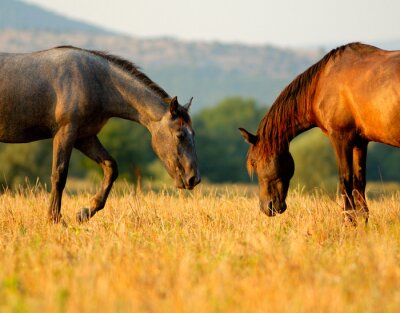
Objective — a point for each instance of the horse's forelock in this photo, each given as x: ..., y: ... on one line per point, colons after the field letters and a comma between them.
x: 181, y: 113
x: 250, y: 168
x: 183, y: 116
x: 250, y: 162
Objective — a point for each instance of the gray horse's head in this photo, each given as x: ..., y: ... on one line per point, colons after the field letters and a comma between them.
x: 173, y: 142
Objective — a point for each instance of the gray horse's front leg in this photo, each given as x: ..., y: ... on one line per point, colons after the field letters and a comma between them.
x: 62, y: 147
x: 94, y: 150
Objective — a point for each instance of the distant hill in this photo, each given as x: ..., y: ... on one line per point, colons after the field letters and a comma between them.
x: 209, y: 71
x: 20, y: 15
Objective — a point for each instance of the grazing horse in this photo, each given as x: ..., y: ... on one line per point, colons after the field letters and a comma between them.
x: 353, y: 95
x: 68, y: 94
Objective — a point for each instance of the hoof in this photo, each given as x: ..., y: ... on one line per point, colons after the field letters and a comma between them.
x: 55, y: 219
x: 349, y: 221
x: 350, y: 217
x: 63, y: 223
x: 83, y: 215
x: 58, y: 221
x: 356, y: 217
x: 364, y: 214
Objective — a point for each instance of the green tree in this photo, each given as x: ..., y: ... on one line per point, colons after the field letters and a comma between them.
x: 220, y: 147
x: 315, y: 162
x: 383, y: 162
x: 20, y: 162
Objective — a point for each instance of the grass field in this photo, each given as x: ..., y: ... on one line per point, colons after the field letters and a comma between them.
x: 206, y: 251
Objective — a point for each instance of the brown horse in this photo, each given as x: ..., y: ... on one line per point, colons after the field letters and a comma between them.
x: 353, y: 95
x: 69, y: 93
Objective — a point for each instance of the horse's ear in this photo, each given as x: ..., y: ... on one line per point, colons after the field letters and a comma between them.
x: 248, y: 137
x: 173, y: 106
x: 187, y: 105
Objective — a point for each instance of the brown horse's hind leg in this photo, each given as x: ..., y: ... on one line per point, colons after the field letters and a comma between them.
x: 62, y: 147
x: 359, y: 180
x: 344, y: 154
x: 93, y: 149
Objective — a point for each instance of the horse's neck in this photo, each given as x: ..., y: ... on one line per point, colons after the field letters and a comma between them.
x: 136, y: 101
x: 300, y: 127
x: 294, y: 127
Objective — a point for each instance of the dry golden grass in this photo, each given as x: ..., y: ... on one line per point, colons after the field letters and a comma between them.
x: 207, y: 251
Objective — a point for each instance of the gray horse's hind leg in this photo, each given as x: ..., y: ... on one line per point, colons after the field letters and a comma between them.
x: 93, y: 149
x: 62, y: 147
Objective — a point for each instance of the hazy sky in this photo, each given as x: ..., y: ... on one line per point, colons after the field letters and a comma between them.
x: 281, y: 22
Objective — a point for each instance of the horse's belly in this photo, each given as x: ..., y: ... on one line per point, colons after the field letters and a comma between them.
x: 23, y: 134
x: 388, y: 136
x: 382, y: 125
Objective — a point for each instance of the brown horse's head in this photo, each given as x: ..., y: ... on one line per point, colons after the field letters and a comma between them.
x: 274, y: 173
x: 173, y: 142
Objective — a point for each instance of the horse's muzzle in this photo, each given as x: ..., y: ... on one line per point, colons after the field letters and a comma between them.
x: 192, y: 182
x: 188, y: 183
x: 269, y: 209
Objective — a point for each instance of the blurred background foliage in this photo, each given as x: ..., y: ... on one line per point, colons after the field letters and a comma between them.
x: 208, y: 70
x: 220, y: 147
x: 221, y: 152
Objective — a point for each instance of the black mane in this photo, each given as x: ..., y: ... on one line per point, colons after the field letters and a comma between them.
x: 127, y: 66
x: 293, y: 102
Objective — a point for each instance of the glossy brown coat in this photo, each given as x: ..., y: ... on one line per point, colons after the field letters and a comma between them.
x: 353, y: 95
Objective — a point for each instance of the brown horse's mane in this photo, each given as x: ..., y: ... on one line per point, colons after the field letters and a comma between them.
x: 127, y: 66
x: 293, y: 102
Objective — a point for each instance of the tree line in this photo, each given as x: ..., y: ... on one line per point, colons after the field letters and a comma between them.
x: 220, y: 148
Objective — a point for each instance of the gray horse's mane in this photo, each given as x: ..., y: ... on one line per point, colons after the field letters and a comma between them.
x: 127, y: 66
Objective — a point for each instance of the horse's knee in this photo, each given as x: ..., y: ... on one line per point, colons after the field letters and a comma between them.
x: 111, y: 168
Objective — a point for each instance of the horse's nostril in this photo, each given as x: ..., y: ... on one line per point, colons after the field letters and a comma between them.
x: 192, y: 181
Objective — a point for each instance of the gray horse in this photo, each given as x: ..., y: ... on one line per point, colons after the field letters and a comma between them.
x: 68, y: 94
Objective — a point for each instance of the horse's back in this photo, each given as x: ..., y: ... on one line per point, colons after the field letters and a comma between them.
x: 40, y: 90
x: 361, y: 92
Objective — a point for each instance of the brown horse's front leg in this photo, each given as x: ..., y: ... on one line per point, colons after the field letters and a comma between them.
x: 62, y: 148
x: 359, y: 180
x: 94, y: 150
x: 344, y: 155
